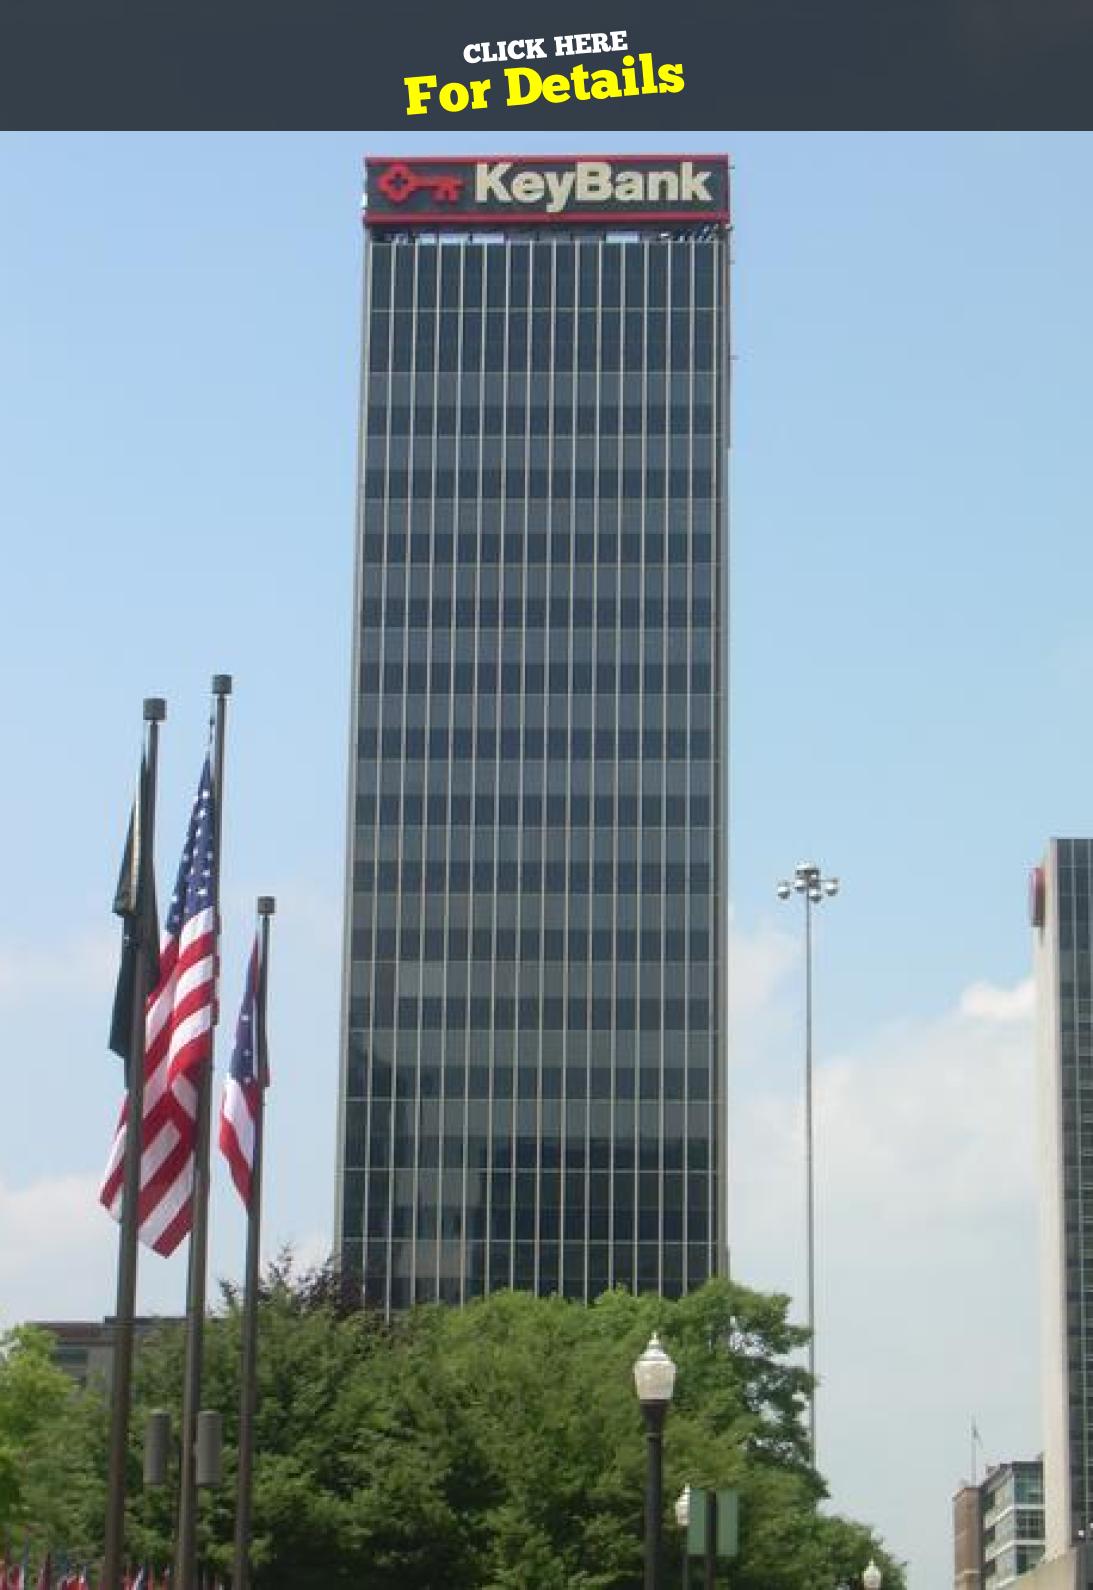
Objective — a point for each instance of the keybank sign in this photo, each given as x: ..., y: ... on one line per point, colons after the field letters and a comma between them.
x: 632, y: 189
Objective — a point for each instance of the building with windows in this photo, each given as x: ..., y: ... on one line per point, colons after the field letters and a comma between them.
x: 532, y: 1087
x: 1061, y: 902
x: 998, y: 1526
x: 84, y: 1349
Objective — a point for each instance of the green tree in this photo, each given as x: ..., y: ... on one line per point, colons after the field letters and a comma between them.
x: 494, y: 1447
x: 47, y: 1444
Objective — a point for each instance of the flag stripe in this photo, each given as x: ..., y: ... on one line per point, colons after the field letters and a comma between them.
x: 237, y: 1120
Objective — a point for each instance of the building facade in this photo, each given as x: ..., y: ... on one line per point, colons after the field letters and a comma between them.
x: 1062, y: 921
x: 967, y: 1539
x: 84, y: 1349
x: 998, y: 1526
x: 532, y: 1088
x: 1012, y: 1501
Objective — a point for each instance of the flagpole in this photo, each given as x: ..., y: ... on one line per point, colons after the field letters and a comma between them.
x: 248, y: 1397
x: 977, y: 1443
x: 155, y: 710
x: 186, y: 1543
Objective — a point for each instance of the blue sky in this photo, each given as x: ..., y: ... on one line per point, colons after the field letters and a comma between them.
x: 911, y: 655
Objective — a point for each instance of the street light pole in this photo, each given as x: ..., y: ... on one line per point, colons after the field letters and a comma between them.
x: 654, y: 1381
x: 813, y: 888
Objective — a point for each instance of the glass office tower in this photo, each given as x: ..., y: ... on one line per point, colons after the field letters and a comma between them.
x: 1062, y: 919
x: 533, y: 1065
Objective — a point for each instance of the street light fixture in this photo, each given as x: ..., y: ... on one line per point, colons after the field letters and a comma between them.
x: 813, y: 889
x: 683, y: 1519
x: 872, y: 1577
x: 683, y: 1507
x: 654, y: 1381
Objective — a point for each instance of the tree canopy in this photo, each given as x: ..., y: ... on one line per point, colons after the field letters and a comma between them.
x: 499, y: 1445
x: 48, y: 1444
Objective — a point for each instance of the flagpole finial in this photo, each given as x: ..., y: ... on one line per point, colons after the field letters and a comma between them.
x: 155, y: 709
x: 222, y: 684
x: 267, y: 905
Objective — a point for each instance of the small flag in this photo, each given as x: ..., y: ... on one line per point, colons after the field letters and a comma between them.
x: 180, y: 1017
x: 247, y: 1073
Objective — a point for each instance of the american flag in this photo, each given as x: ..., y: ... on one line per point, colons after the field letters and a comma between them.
x: 181, y: 1014
x: 246, y: 1074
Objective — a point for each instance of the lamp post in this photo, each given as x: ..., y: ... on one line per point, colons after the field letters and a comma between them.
x: 812, y: 888
x: 872, y: 1577
x: 654, y: 1381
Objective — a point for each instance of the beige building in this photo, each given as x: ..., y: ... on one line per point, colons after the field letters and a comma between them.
x: 85, y: 1348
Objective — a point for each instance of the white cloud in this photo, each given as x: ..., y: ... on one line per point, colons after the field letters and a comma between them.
x: 926, y: 1250
x: 760, y: 1018
x: 999, y: 1004
x: 758, y: 965
x: 58, y: 1251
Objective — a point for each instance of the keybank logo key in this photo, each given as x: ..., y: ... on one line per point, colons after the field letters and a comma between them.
x: 590, y: 182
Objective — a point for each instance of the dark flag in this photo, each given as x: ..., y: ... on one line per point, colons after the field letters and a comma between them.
x: 135, y: 903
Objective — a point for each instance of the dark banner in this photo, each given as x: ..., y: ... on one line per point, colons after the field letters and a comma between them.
x: 342, y: 64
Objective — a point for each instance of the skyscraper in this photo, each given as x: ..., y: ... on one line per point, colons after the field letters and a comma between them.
x: 533, y: 1045
x: 1061, y: 901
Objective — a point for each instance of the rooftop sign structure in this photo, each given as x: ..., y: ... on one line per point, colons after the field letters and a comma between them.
x: 623, y: 190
